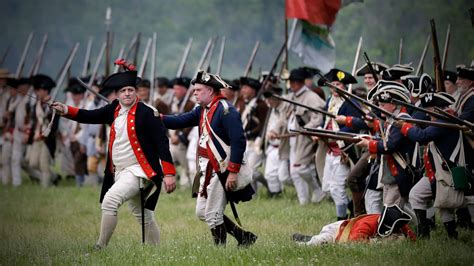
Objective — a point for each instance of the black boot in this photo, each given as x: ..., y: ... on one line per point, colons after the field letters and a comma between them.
x: 244, y: 238
x: 451, y: 229
x: 423, y: 224
x: 464, y: 218
x: 220, y: 235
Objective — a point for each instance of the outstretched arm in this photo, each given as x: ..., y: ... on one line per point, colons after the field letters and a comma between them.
x: 103, y: 115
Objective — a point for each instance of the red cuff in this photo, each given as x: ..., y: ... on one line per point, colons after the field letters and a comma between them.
x: 376, y: 123
x: 348, y: 121
x: 405, y: 128
x: 408, y: 232
x: 233, y: 167
x: 168, y: 168
x: 72, y: 111
x: 373, y: 146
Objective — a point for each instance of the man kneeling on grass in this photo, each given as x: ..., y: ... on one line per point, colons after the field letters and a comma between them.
x: 139, y: 158
x: 392, y: 221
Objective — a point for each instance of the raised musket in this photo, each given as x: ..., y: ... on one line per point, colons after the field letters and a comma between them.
x: 120, y: 56
x: 131, y: 45
x: 198, y: 68
x: 221, y: 57
x: 108, y: 21
x: 5, y: 54
x: 137, y: 48
x: 182, y: 64
x: 152, y: 70
x: 39, y: 57
x: 371, y: 69
x: 248, y: 67
x: 96, y: 65
x: 144, y: 58
x: 437, y: 60
x: 423, y: 55
x: 86, y: 65
x: 446, y: 48
x: 207, y: 63
x: 400, y: 51
x: 21, y: 64
x: 356, y: 61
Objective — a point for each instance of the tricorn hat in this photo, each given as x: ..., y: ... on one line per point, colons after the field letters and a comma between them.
x: 396, y: 72
x: 466, y: 73
x: 438, y: 99
x: 211, y: 80
x: 162, y: 81
x: 418, y: 85
x: 378, y: 67
x: 181, y: 81
x: 392, y: 219
x: 121, y: 79
x: 144, y: 83
x: 12, y: 83
x: 450, y: 75
x: 302, y: 73
x: 385, y: 91
x: 251, y: 82
x: 272, y: 90
x: 337, y: 75
x: 41, y: 81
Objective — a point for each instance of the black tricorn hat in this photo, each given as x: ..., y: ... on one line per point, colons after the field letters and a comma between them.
x: 144, y: 83
x: 121, y: 79
x: 392, y: 219
x: 234, y: 84
x: 272, y: 90
x: 162, y: 81
x: 396, y: 72
x: 418, y: 85
x: 438, y: 99
x: 301, y: 73
x: 337, y: 75
x: 466, y: 73
x: 75, y: 89
x: 384, y: 91
x: 378, y: 67
x: 251, y: 82
x: 23, y: 81
x: 450, y: 75
x: 43, y: 82
x: 12, y: 83
x: 181, y: 81
x: 211, y: 80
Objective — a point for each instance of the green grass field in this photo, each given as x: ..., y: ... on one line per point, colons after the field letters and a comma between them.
x: 59, y: 226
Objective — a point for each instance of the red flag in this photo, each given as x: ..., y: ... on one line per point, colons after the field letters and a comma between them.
x: 315, y: 11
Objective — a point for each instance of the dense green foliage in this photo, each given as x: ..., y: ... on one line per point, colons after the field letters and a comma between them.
x: 59, y: 225
x: 381, y: 23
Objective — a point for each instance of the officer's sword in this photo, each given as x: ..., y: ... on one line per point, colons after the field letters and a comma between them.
x: 100, y: 96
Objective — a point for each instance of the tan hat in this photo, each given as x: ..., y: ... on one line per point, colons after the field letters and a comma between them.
x: 4, y: 73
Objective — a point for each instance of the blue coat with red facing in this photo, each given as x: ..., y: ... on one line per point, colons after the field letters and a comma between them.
x: 147, y: 137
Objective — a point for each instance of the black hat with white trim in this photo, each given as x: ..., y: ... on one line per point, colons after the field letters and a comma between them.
x: 466, y: 73
x: 211, y: 80
x: 385, y: 91
x: 419, y: 85
x: 438, y: 99
x: 392, y: 219
x: 396, y: 72
x: 378, y: 67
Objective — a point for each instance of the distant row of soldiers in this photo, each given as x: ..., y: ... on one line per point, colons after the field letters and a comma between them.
x: 338, y: 141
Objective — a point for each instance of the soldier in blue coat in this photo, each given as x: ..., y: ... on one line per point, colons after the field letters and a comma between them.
x: 138, y: 155
x: 221, y: 147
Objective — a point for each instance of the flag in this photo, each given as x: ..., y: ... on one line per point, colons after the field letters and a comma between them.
x: 310, y: 38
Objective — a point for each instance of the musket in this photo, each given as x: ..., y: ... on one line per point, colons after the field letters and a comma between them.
x: 137, y: 47
x: 248, y: 68
x: 353, y: 139
x: 61, y: 70
x: 152, y: 71
x: 182, y: 64
x: 423, y: 55
x: 437, y: 61
x: 409, y: 105
x: 108, y: 20
x: 131, y: 45
x: 4, y: 56
x: 96, y: 65
x: 356, y: 60
x: 221, y: 57
x: 207, y: 63
x: 455, y: 118
x: 198, y: 68
x: 39, y: 57
x: 86, y: 65
x: 122, y: 50
x: 59, y: 83
x: 371, y: 69
x: 316, y: 110
x: 89, y: 89
x: 21, y: 64
x: 446, y: 47
x: 144, y: 58
x: 400, y: 51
